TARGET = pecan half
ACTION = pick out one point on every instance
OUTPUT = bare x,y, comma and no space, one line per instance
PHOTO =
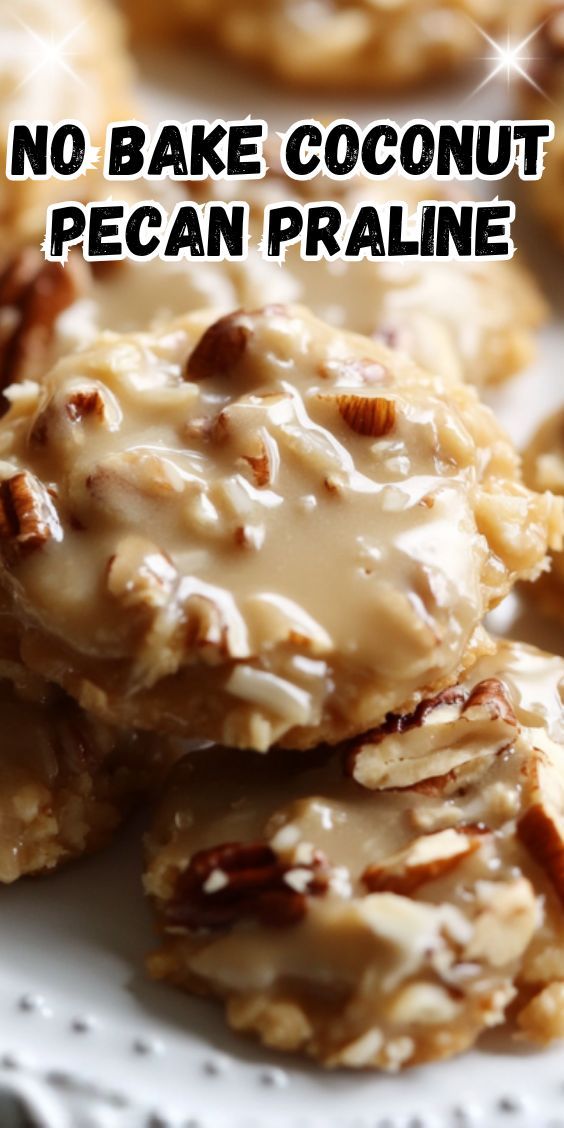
367,415
35,292
238,880
438,736
403,722
490,697
220,349
28,518
428,858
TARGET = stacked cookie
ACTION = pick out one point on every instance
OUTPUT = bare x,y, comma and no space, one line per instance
253,552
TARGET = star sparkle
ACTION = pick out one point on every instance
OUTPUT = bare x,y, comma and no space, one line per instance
510,59
50,55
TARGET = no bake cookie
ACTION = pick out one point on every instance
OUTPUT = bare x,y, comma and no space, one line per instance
257,530
381,906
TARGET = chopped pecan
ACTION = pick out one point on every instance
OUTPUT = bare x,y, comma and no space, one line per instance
428,858
367,415
260,465
139,574
490,697
238,880
214,629
249,536
28,518
83,403
220,349
37,292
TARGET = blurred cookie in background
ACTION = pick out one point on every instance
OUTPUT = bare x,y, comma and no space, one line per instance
333,44
57,61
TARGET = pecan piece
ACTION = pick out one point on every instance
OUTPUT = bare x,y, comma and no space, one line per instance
440,735
260,465
83,403
489,698
541,827
28,518
238,880
373,416
428,858
220,349
37,292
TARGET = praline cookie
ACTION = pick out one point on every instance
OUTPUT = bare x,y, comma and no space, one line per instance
364,44
387,918
257,530
56,57
543,468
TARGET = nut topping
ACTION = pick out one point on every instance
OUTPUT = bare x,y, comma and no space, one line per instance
28,518
37,292
238,880
84,403
220,349
260,465
489,699
368,415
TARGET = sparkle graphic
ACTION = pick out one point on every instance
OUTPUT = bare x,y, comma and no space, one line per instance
510,58
50,55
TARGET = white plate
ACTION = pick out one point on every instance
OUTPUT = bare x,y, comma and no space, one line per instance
85,1040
